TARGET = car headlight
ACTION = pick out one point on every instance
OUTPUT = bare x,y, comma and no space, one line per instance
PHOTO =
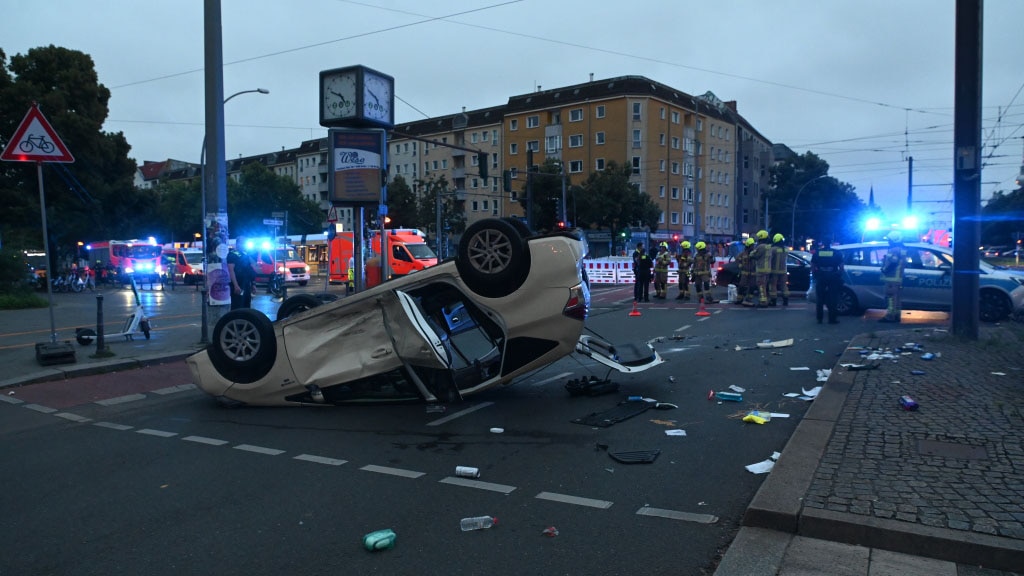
129,270
306,268
280,269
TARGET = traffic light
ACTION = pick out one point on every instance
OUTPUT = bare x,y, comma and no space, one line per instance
481,160
558,207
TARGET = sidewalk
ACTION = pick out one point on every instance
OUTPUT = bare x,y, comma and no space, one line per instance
866,488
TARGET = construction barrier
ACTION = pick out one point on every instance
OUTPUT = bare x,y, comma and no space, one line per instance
618,270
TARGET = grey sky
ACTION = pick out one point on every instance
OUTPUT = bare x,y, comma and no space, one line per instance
863,83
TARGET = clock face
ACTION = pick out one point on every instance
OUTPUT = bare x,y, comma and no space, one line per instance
339,95
377,97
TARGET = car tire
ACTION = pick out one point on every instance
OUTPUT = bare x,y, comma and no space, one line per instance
243,347
303,282
520,226
847,304
493,258
993,306
298,303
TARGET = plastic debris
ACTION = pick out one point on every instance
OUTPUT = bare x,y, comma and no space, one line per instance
711,394
467,471
820,351
907,403
764,466
737,389
927,356
813,392
799,368
757,417
729,396
993,373
497,430
671,378
664,406
917,372
779,415
675,432
776,344
824,374
379,540
550,532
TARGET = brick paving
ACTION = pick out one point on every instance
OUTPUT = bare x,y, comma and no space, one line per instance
958,461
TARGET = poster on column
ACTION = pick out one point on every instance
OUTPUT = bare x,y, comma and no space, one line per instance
216,256
356,160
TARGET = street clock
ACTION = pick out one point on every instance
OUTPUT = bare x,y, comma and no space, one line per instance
356,97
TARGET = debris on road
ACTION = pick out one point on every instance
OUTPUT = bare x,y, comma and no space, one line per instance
764,466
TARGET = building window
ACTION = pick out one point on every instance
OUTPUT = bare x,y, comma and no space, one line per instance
725,199
475,205
599,138
576,115
600,111
636,138
661,139
473,137
513,124
700,125
675,217
532,121
473,183
444,164
484,135
636,164
513,148
661,191
661,165
514,173
553,144
576,141
746,216
675,117
435,164
485,205
675,193
533,145
636,110
745,191
675,142
599,164
576,166
675,167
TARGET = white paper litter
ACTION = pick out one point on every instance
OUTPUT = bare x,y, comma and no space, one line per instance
994,374
823,374
764,466
776,344
791,395
675,432
799,368
736,388
813,392
779,415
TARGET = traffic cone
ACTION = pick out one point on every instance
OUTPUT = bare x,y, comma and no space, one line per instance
702,311
634,312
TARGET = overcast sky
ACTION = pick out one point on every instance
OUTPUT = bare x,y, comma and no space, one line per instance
862,83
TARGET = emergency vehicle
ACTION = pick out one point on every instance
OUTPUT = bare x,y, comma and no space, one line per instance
140,258
406,247
283,259
183,264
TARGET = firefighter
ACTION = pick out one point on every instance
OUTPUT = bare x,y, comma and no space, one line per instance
747,285
661,264
892,274
777,281
684,260
702,262
827,268
762,258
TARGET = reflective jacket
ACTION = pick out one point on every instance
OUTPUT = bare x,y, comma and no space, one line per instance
762,257
894,263
778,259
702,264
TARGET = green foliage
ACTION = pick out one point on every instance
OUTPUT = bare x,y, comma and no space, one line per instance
402,205
608,200
1002,218
453,216
825,208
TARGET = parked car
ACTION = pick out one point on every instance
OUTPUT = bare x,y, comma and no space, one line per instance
797,268
509,304
927,281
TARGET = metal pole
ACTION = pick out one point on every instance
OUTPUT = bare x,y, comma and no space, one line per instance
46,248
101,346
792,230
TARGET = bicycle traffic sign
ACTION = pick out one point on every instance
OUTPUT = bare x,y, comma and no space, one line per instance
35,140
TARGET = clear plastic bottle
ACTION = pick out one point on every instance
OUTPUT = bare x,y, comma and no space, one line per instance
477,523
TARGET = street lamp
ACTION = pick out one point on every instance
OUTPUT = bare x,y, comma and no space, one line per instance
792,230
203,337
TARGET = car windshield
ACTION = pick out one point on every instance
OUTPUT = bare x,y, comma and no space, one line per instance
146,251
421,251
286,254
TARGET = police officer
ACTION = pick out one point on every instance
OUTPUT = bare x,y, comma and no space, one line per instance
827,267
661,263
777,284
684,260
762,257
642,274
702,262
892,274
747,285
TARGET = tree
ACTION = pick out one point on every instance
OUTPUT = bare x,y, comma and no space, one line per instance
452,213
806,199
607,199
1002,218
402,204
258,193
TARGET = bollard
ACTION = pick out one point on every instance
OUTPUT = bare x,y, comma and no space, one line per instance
100,345
203,338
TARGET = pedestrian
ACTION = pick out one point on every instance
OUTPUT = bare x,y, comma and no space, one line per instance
777,282
827,268
642,274
702,262
661,264
892,274
242,274
762,257
747,284
684,261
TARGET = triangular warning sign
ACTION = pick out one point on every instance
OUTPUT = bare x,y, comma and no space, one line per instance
36,141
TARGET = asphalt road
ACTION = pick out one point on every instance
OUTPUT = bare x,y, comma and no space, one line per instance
165,481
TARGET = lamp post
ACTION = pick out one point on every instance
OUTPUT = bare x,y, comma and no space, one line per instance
792,230
203,337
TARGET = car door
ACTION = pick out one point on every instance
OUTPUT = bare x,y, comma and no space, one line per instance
863,266
927,279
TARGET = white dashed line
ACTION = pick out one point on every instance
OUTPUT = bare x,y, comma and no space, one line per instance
321,460
259,449
458,414
160,433
682,328
504,489
121,399
38,408
552,379
676,515
11,400
205,440
112,426
565,498
393,471
174,389
72,417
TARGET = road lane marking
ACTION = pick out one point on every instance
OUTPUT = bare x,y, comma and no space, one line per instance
321,460
566,499
72,417
11,400
682,328
160,433
552,379
121,399
455,481
112,426
393,471
38,408
175,389
676,515
459,414
259,449
205,440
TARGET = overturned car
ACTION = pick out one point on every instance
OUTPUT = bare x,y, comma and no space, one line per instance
509,304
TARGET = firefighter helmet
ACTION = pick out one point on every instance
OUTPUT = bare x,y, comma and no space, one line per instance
664,245
748,242
778,239
762,234
685,245
701,245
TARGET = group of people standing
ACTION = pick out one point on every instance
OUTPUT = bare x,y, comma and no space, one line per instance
693,267
762,266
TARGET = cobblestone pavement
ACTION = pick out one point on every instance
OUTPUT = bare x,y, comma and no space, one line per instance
957,461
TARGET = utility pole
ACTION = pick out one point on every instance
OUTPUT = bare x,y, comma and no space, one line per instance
910,185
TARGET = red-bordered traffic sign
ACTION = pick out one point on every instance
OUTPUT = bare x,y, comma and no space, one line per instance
36,141
332,214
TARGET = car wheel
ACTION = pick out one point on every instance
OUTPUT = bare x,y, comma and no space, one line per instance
85,336
994,306
303,282
243,347
298,303
493,258
846,303
520,226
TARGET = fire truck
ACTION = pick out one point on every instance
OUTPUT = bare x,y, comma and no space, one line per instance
122,259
